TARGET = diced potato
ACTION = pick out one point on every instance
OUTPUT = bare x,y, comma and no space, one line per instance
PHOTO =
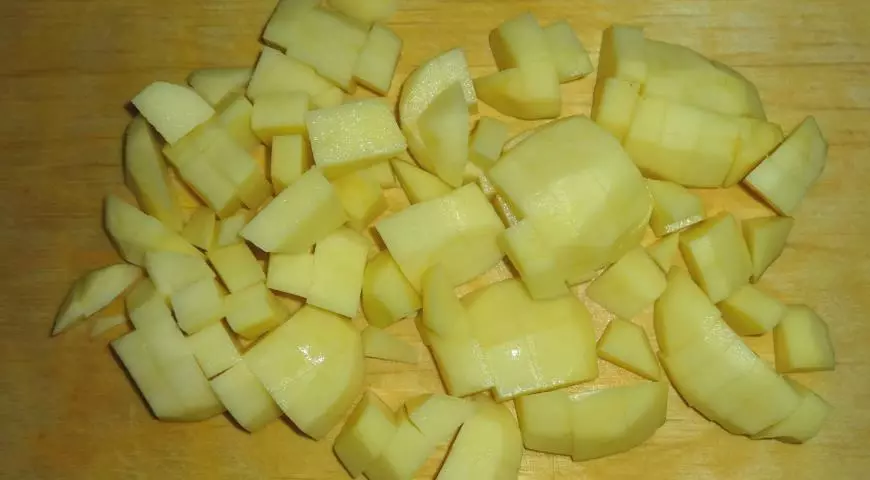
545,421
614,105
299,216
382,173
172,271
291,274
682,143
520,42
200,228
253,311
489,446
443,313
245,397
366,433
458,230
444,129
804,423
146,174
749,311
147,308
377,61
403,455
133,352
613,420
107,323
625,344
362,199
802,342
487,142
766,239
438,416
368,11
339,266
757,139
717,256
387,296
93,292
353,136
531,255
198,306
276,73
381,344
279,114
568,53
173,110
674,207
234,113
291,157
228,229
135,233
419,185
683,313
214,84
664,250
525,93
312,366
215,190
786,175
286,14
623,54
214,349
629,286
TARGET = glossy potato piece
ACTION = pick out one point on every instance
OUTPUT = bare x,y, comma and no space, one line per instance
674,208
245,398
545,421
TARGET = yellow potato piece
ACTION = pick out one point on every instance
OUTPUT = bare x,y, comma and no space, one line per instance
749,311
419,185
214,350
387,296
245,397
381,344
438,416
237,266
614,104
376,64
366,433
146,174
766,238
545,420
802,342
804,423
93,292
134,232
173,110
674,208
664,250
717,256
253,311
625,344
569,55
198,306
488,447
214,84
629,286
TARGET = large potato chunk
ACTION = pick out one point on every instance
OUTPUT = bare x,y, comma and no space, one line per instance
489,446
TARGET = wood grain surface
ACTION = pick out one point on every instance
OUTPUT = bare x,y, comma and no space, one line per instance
69,66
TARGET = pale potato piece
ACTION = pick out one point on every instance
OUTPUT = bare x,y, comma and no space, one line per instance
367,11
403,455
200,228
443,313
104,324
93,292
717,256
387,296
362,199
173,110
629,286
312,365
198,305
569,55
382,173
283,19
683,313
253,311
520,42
674,207
278,114
381,344
377,61
664,250
489,446
234,113
172,271
438,416
214,84
146,175
623,54
134,232
766,238
804,423
214,349
291,157
545,421
614,105
245,397
444,129
299,216
353,136
134,354
786,175
147,307
228,229
487,142
419,185
530,253
749,311
458,230
530,93
757,139
613,420
366,433
626,345
337,277
276,72
802,342
291,274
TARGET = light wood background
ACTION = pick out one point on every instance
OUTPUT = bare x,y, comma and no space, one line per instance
69,66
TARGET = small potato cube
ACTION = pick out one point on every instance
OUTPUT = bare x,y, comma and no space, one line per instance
614,104
214,349
757,139
804,423
200,229
147,307
245,397
443,126
291,274
254,311
365,434
353,136
625,344
228,229
802,342
749,311
291,157
570,57
276,72
528,94
623,54
173,110
766,239
418,184
664,251
198,305
362,199
279,114
716,256
487,142
674,207
132,350
532,256
237,266
629,286
387,296
378,58
382,173
172,271
214,84
234,113
339,265
381,344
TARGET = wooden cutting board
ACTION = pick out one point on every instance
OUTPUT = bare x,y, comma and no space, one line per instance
68,411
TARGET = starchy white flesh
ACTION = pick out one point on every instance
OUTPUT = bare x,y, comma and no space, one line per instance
173,110
91,293
766,238
674,208
749,311
245,397
716,256
365,434
802,342
214,84
629,286
147,177
381,344
626,344
665,250
489,446
135,233
387,296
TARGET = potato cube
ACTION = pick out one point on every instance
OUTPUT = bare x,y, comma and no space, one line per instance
254,311
362,199
276,73
520,42
134,232
214,84
382,173
339,266
291,157
172,271
623,54
529,252
438,416
215,190
488,446
234,113
200,228
133,352
625,344
717,256
237,266
487,142
245,397
367,431
525,93
299,216
444,130
147,307
403,455
629,286
376,65
214,349
419,185
568,53
766,238
353,136
286,14
664,250
198,305
229,228
291,274
545,420
749,311
366,12
804,423
614,104
93,292
674,207
387,296
381,344
173,110
757,139
802,342
279,114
